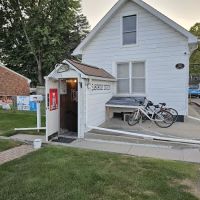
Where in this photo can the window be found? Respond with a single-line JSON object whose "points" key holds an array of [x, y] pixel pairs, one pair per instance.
{"points": [[129, 29], [131, 78], [123, 78], [138, 78]]}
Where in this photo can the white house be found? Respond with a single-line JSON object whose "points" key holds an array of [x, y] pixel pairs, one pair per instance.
{"points": [[143, 54]]}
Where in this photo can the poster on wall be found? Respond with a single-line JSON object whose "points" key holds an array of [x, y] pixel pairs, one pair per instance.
{"points": [[53, 99]]}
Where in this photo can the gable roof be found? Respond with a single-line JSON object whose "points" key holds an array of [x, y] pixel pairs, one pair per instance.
{"points": [[16, 73], [91, 70], [87, 71], [191, 38]]}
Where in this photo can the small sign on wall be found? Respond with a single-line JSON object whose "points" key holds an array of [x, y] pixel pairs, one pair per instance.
{"points": [[53, 99], [180, 66]]}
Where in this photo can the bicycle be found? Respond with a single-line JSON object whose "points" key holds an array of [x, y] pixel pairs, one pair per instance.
{"points": [[161, 118], [171, 110]]}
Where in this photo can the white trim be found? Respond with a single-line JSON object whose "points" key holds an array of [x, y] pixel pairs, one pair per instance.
{"points": [[195, 118], [80, 100], [66, 62], [121, 29], [191, 38], [145, 136], [29, 81], [46, 106], [29, 129], [99, 26], [121, 106], [173, 24], [130, 77], [53, 73], [130, 94], [101, 79]]}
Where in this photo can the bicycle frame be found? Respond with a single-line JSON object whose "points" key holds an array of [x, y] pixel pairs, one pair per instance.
{"points": [[146, 112]]}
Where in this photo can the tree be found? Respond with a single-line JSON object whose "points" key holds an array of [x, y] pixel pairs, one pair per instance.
{"points": [[37, 34], [195, 57]]}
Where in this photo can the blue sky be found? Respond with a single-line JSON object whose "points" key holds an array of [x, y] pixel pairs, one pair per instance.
{"points": [[184, 12]]}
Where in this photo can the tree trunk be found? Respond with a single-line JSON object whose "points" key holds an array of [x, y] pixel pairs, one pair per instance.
{"points": [[40, 77]]}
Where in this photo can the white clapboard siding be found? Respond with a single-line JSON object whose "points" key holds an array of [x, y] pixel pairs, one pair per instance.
{"points": [[96, 100], [159, 45]]}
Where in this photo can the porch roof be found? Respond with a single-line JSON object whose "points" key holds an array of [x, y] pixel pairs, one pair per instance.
{"points": [[124, 101], [90, 70]]}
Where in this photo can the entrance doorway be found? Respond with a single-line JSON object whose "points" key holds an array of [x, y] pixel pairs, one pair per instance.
{"points": [[69, 108]]}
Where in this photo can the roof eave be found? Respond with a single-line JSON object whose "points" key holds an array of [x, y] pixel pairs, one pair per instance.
{"points": [[191, 38], [101, 78], [102, 22], [28, 80]]}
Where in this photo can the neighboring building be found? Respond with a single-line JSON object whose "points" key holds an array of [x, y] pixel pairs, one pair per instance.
{"points": [[147, 54], [13, 84]]}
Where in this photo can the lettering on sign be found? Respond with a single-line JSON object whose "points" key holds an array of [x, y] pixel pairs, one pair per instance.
{"points": [[100, 87]]}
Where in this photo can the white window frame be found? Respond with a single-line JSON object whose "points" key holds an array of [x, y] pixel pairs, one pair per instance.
{"points": [[130, 78], [121, 29]]}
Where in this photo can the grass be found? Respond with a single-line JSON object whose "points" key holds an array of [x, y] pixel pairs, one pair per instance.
{"points": [[57, 173], [8, 144], [17, 119]]}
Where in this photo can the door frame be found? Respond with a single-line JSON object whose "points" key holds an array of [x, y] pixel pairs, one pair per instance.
{"points": [[78, 103]]}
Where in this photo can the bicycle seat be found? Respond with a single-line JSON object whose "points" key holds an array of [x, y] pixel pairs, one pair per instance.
{"points": [[157, 106], [162, 104], [150, 103], [140, 103]]}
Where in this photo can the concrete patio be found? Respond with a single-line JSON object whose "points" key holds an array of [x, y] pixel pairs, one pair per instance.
{"points": [[190, 129]]}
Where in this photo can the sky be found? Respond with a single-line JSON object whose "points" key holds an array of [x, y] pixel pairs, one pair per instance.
{"points": [[184, 12]]}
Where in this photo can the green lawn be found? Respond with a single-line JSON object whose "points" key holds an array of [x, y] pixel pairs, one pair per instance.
{"points": [[8, 144], [16, 119], [58, 173]]}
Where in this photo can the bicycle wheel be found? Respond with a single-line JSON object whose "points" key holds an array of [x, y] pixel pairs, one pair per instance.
{"points": [[134, 118], [164, 119], [173, 112]]}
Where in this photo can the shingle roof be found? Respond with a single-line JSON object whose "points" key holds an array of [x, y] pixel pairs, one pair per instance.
{"points": [[125, 101], [90, 70]]}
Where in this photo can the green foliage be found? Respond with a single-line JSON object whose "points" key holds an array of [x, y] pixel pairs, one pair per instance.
{"points": [[196, 29], [37, 34], [195, 57], [60, 173]]}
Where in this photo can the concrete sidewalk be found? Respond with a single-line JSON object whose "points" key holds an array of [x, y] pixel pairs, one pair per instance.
{"points": [[28, 138], [144, 148], [14, 153], [185, 153]]}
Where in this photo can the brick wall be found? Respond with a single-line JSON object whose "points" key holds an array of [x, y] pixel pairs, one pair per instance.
{"points": [[12, 84]]}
